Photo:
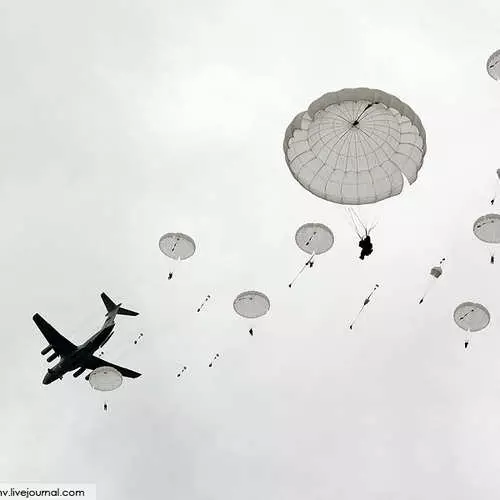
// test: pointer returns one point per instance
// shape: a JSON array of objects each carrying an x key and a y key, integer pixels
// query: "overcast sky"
[{"x": 121, "y": 121}]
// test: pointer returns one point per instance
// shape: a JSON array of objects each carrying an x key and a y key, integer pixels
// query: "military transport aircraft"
[{"x": 81, "y": 358}]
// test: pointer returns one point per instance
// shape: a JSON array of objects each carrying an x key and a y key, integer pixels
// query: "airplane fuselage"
[{"x": 75, "y": 359}]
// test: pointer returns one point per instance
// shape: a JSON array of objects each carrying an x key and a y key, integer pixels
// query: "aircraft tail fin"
[{"x": 110, "y": 306}]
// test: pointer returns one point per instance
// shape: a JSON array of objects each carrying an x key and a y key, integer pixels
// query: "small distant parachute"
[
  {"x": 251, "y": 305},
  {"x": 471, "y": 317},
  {"x": 493, "y": 65},
  {"x": 435, "y": 273},
  {"x": 177, "y": 246},
  {"x": 312, "y": 238},
  {"x": 353, "y": 146},
  {"x": 487, "y": 229},
  {"x": 105, "y": 378}
]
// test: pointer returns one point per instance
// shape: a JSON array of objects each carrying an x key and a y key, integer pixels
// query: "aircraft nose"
[{"x": 47, "y": 379}]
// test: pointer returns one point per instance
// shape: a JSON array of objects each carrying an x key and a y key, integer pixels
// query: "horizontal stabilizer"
[
  {"x": 127, "y": 312},
  {"x": 111, "y": 306}
]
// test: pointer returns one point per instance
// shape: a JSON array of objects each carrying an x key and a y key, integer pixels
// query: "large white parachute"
[
  {"x": 493, "y": 65},
  {"x": 105, "y": 378},
  {"x": 177, "y": 246},
  {"x": 354, "y": 146}
]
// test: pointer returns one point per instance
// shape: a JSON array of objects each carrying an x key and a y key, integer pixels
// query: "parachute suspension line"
[
  {"x": 309, "y": 263},
  {"x": 467, "y": 334},
  {"x": 356, "y": 122},
  {"x": 174, "y": 268},
  {"x": 359, "y": 227},
  {"x": 365, "y": 303},
  {"x": 351, "y": 223},
  {"x": 355, "y": 214},
  {"x": 372, "y": 227}
]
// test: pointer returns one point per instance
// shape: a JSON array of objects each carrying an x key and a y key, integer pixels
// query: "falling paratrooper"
[
  {"x": 177, "y": 246},
  {"x": 251, "y": 305},
  {"x": 471, "y": 317},
  {"x": 353, "y": 147},
  {"x": 105, "y": 378}
]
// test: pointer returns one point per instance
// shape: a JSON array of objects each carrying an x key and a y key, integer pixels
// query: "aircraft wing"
[
  {"x": 94, "y": 362},
  {"x": 61, "y": 345}
]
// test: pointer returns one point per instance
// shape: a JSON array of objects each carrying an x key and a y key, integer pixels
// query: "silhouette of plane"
[{"x": 81, "y": 358}]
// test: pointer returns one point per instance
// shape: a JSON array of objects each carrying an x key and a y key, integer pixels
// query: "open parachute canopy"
[
  {"x": 487, "y": 228},
  {"x": 251, "y": 304},
  {"x": 105, "y": 378},
  {"x": 354, "y": 146},
  {"x": 177, "y": 246},
  {"x": 493, "y": 65},
  {"x": 471, "y": 317},
  {"x": 314, "y": 237}
]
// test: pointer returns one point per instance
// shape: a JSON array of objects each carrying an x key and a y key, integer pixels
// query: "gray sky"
[{"x": 121, "y": 121}]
